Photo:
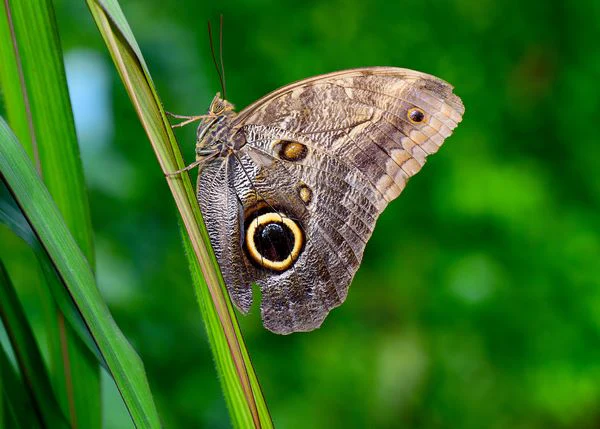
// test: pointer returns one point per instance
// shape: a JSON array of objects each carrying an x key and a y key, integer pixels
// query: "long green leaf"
[
  {"x": 3, "y": 369},
  {"x": 15, "y": 405},
  {"x": 28, "y": 355},
  {"x": 42, "y": 214},
  {"x": 240, "y": 385},
  {"x": 35, "y": 36},
  {"x": 30, "y": 44},
  {"x": 11, "y": 216}
]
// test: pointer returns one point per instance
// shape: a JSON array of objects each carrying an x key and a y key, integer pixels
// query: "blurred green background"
[{"x": 478, "y": 301}]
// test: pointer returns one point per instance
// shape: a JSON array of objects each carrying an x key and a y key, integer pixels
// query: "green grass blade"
[
  {"x": 11, "y": 216},
  {"x": 42, "y": 214},
  {"x": 28, "y": 355},
  {"x": 15, "y": 406},
  {"x": 3, "y": 375},
  {"x": 241, "y": 388},
  {"x": 220, "y": 349},
  {"x": 53, "y": 131},
  {"x": 12, "y": 82},
  {"x": 40, "y": 100}
]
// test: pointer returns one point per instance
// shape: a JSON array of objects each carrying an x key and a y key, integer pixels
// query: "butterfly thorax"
[{"x": 214, "y": 134}]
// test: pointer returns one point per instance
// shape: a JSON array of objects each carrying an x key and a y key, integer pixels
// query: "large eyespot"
[
  {"x": 415, "y": 115},
  {"x": 274, "y": 241},
  {"x": 290, "y": 150}
]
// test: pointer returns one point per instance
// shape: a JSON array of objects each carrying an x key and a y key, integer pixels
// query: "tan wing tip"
[
  {"x": 442, "y": 90},
  {"x": 455, "y": 108},
  {"x": 456, "y": 103}
]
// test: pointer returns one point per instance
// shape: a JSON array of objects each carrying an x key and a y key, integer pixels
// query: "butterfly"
[{"x": 291, "y": 187}]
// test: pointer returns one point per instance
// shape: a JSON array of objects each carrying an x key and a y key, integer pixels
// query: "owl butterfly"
[{"x": 291, "y": 187}]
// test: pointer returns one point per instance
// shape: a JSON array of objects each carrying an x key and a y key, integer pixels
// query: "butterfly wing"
[
  {"x": 382, "y": 122},
  {"x": 330, "y": 153}
]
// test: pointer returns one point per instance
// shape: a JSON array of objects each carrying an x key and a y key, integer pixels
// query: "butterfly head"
[{"x": 220, "y": 106}]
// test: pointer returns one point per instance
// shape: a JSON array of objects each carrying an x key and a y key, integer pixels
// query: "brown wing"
[
  {"x": 352, "y": 139},
  {"x": 361, "y": 117}
]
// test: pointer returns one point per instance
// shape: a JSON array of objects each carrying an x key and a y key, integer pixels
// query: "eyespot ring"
[
  {"x": 415, "y": 115},
  {"x": 263, "y": 221}
]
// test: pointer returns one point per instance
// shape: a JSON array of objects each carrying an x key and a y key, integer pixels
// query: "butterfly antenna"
[
  {"x": 224, "y": 85},
  {"x": 214, "y": 58}
]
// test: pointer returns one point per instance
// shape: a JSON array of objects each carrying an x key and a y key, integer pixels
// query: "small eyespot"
[
  {"x": 291, "y": 151},
  {"x": 273, "y": 241},
  {"x": 305, "y": 193},
  {"x": 416, "y": 115}
]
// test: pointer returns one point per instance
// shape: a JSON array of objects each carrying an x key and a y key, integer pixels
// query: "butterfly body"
[{"x": 291, "y": 187}]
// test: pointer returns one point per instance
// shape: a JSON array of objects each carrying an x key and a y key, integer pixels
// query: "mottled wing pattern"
[
  {"x": 223, "y": 215},
  {"x": 359, "y": 117},
  {"x": 255, "y": 178},
  {"x": 362, "y": 146}
]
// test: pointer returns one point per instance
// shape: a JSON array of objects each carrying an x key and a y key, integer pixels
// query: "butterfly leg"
[
  {"x": 187, "y": 119},
  {"x": 189, "y": 167},
  {"x": 206, "y": 156}
]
